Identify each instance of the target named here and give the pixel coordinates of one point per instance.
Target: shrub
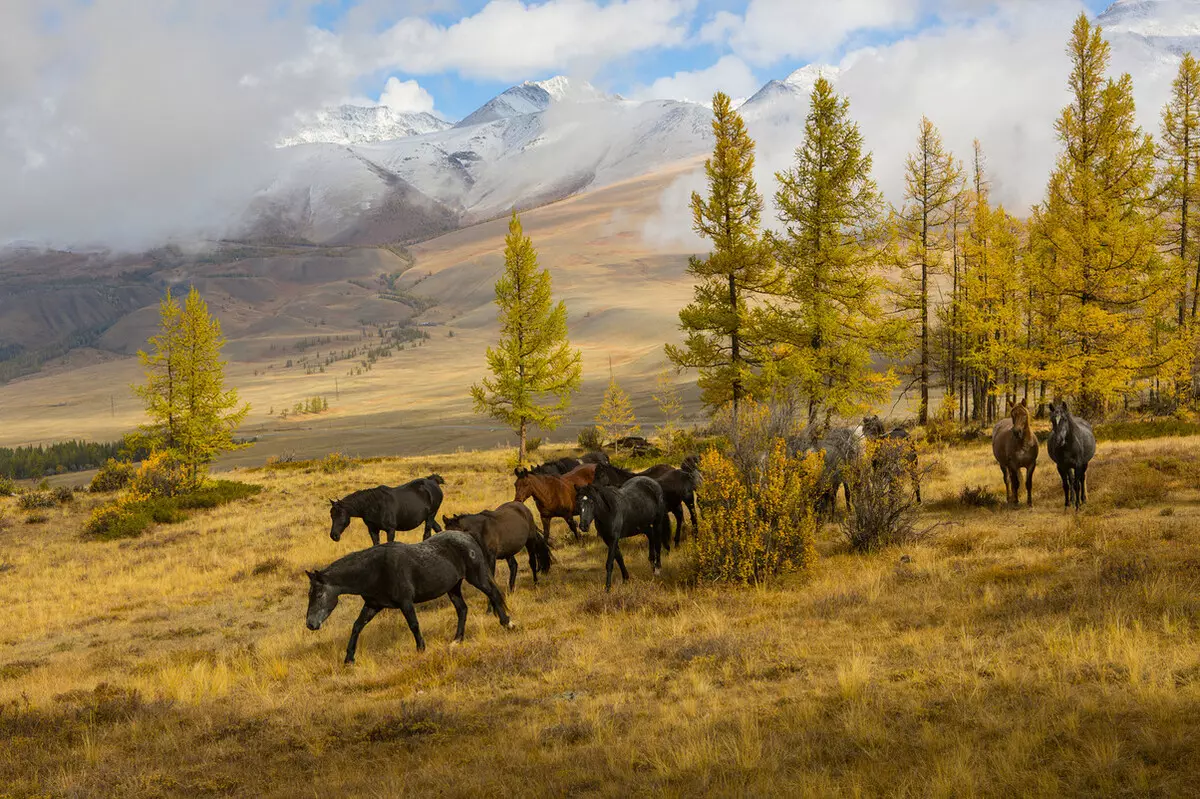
(943, 427)
(63, 495)
(591, 438)
(760, 522)
(37, 518)
(336, 462)
(160, 475)
(978, 497)
(32, 500)
(533, 444)
(120, 519)
(884, 512)
(1147, 428)
(8, 486)
(114, 475)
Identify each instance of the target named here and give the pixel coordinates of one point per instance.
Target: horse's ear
(517, 471)
(1023, 404)
(315, 576)
(333, 502)
(1063, 407)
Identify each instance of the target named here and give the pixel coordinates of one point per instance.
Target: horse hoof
(456, 642)
(657, 571)
(512, 625)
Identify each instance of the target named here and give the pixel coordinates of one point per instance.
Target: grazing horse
(1016, 448)
(636, 508)
(557, 468)
(554, 496)
(594, 457)
(390, 509)
(401, 575)
(843, 448)
(1072, 445)
(503, 533)
(679, 490)
(873, 429)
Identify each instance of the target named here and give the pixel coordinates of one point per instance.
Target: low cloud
(730, 74)
(405, 96)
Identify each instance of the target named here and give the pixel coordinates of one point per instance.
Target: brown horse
(503, 533)
(554, 496)
(1016, 448)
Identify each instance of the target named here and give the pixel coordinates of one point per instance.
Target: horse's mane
(355, 502)
(1020, 411)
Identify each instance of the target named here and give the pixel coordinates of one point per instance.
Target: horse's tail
(541, 552)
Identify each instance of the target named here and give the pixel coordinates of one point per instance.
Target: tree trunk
(735, 355)
(521, 446)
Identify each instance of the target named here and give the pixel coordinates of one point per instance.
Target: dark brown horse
(554, 496)
(503, 533)
(1016, 448)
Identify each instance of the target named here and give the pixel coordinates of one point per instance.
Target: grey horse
(1072, 445)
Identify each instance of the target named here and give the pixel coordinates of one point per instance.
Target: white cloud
(730, 75)
(509, 39)
(405, 95)
(771, 30)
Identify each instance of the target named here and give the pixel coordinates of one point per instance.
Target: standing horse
(389, 509)
(636, 508)
(843, 447)
(401, 575)
(503, 533)
(679, 490)
(873, 429)
(557, 467)
(1072, 445)
(554, 496)
(1016, 448)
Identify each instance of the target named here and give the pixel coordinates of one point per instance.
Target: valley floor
(1015, 652)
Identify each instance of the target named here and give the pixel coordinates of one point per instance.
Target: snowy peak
(1152, 18)
(532, 97)
(355, 124)
(805, 78)
(788, 96)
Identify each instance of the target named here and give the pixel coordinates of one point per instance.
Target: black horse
(557, 468)
(390, 509)
(678, 485)
(594, 457)
(401, 575)
(1072, 445)
(636, 508)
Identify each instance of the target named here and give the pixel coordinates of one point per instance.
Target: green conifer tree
(534, 360)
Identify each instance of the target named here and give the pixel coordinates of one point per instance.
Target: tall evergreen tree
(193, 415)
(830, 318)
(1106, 269)
(534, 360)
(932, 183)
(724, 330)
(616, 419)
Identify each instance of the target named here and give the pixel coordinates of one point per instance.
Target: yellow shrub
(758, 522)
(160, 475)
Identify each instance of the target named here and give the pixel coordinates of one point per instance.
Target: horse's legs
(1081, 472)
(410, 616)
(512, 573)
(479, 577)
(533, 567)
(621, 562)
(570, 523)
(546, 526)
(1028, 484)
(690, 502)
(374, 531)
(613, 553)
(364, 616)
(1068, 483)
(460, 607)
(432, 522)
(391, 535)
(1008, 485)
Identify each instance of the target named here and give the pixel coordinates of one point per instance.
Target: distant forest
(65, 456)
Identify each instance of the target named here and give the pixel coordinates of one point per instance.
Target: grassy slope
(1030, 653)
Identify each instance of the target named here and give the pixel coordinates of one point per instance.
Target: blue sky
(690, 44)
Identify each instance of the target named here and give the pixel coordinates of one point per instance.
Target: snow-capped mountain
(534, 96)
(1149, 37)
(355, 124)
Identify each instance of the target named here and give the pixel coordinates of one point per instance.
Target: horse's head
(585, 500)
(437, 478)
(452, 522)
(1060, 422)
(322, 599)
(872, 427)
(524, 486)
(339, 517)
(1020, 421)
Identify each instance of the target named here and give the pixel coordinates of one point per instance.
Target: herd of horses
(619, 503)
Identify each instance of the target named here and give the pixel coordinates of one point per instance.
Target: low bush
(63, 495)
(32, 500)
(885, 510)
(336, 462)
(114, 475)
(533, 444)
(8, 486)
(132, 514)
(591, 439)
(760, 521)
(978, 497)
(161, 475)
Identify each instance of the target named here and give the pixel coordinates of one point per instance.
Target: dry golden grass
(1030, 653)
